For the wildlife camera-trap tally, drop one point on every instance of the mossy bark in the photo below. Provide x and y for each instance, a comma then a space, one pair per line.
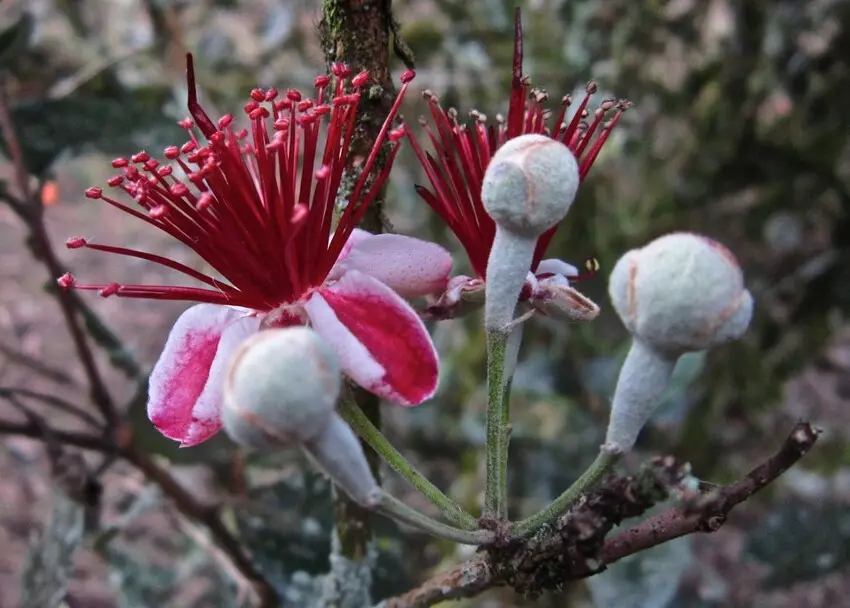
358, 33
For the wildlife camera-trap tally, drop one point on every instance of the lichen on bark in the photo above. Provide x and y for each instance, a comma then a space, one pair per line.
358, 33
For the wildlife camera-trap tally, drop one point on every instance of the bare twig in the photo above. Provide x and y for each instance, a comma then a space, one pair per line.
576, 549
32, 214
52, 401
207, 515
120, 357
201, 538
186, 503
37, 365
68, 469
7, 127
712, 513
86, 441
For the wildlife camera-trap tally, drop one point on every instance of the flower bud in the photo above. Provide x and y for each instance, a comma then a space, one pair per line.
529, 185
682, 292
338, 453
281, 387
528, 188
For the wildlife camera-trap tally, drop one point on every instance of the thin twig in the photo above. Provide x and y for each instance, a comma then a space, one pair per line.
37, 365
120, 357
186, 503
573, 560
86, 441
201, 538
712, 513
207, 515
32, 214
53, 401
16, 155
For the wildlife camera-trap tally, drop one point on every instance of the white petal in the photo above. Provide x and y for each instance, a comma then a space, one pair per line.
207, 410
381, 342
555, 266
183, 368
409, 266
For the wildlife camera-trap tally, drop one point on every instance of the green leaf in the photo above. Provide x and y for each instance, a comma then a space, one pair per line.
138, 581
648, 579
15, 38
802, 542
48, 127
287, 528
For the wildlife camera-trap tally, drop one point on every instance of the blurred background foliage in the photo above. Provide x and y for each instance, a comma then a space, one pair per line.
738, 131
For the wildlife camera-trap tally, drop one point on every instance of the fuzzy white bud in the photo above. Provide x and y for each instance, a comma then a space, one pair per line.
530, 184
680, 293
281, 387
528, 188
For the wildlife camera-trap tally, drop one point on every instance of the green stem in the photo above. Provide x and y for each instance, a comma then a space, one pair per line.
394, 508
506, 440
369, 433
512, 346
495, 491
604, 462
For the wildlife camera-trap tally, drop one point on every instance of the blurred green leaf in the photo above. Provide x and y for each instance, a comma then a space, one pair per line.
139, 581
48, 127
800, 541
287, 527
15, 38
539, 470
645, 580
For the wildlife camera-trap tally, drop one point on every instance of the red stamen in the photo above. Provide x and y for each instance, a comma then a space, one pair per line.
201, 119
456, 170
245, 205
110, 290
66, 281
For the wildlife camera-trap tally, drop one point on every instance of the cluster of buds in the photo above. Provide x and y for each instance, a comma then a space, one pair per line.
300, 296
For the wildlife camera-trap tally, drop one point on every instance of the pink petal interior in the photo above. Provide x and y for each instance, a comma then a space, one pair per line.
181, 373
380, 340
357, 236
206, 415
